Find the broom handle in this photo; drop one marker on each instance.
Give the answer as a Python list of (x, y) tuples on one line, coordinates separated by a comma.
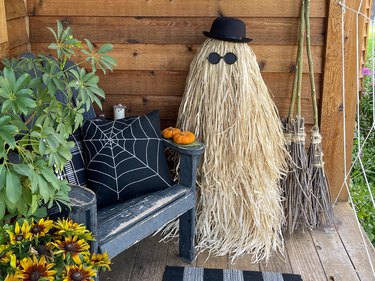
[(298, 73), (300, 62), (311, 64)]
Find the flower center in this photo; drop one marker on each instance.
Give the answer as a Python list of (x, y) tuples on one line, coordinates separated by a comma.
[(19, 237), (36, 229), (42, 250), (34, 276), (77, 276), (70, 247)]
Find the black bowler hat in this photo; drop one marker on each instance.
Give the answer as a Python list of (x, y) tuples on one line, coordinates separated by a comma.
[(228, 29)]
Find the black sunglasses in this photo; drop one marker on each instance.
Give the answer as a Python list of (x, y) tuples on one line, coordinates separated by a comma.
[(215, 58)]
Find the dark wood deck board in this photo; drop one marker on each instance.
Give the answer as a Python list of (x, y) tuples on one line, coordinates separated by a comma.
[(330, 252)]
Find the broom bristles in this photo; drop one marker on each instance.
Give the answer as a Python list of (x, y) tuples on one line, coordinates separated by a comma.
[(229, 108), (321, 198)]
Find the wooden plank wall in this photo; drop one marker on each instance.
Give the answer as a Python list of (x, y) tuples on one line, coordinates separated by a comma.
[(17, 21), (332, 111), (4, 42), (155, 41)]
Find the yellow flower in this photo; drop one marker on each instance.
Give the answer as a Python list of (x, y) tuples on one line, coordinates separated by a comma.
[(67, 227), (9, 258), (79, 273), (37, 270), (40, 228), (20, 233), (99, 260), (74, 247), (14, 277)]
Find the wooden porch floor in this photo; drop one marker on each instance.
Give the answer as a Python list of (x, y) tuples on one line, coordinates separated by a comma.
[(330, 253)]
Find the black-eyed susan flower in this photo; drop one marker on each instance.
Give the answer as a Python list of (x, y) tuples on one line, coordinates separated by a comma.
[(79, 273), (74, 247), (67, 227), (40, 228), (99, 260), (33, 269), (44, 249), (20, 233), (8, 257), (17, 276)]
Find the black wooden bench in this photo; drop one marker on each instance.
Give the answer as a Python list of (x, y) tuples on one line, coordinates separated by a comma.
[(121, 225)]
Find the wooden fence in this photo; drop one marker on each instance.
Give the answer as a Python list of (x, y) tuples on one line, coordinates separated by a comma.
[(155, 41)]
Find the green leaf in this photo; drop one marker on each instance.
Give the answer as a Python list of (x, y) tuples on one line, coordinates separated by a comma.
[(23, 169), (60, 29), (54, 34), (43, 188), (2, 208), (89, 45), (7, 133), (22, 82), (40, 212), (2, 176), (13, 187), (105, 48), (10, 76), (4, 120)]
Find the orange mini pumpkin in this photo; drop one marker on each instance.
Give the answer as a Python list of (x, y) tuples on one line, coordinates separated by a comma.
[(170, 132), (184, 137)]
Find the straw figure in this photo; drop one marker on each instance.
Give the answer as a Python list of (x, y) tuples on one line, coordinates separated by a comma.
[(228, 106)]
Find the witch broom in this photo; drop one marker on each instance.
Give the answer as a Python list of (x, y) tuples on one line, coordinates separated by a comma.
[(298, 189), (320, 198)]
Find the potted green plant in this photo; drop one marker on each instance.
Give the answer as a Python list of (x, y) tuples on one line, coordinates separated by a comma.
[(37, 114)]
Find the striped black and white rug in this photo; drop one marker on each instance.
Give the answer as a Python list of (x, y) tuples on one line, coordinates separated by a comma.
[(175, 273)]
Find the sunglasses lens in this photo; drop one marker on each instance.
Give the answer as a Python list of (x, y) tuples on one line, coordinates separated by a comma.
[(230, 58), (214, 58)]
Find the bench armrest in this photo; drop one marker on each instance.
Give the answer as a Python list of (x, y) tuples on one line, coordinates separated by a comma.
[(189, 159)]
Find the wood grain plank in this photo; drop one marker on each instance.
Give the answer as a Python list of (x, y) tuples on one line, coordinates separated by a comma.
[(16, 51), (178, 57), (17, 32), (303, 257), (4, 50), (349, 232), (206, 260), (277, 264), (150, 261), (194, 8), (161, 30), (15, 9), (332, 254), (173, 258), (332, 115), (172, 83), (244, 263), (3, 24), (122, 265)]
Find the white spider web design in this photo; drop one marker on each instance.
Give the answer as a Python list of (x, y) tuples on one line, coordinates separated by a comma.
[(124, 153)]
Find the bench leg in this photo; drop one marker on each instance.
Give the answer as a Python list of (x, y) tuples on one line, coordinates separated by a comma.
[(187, 234)]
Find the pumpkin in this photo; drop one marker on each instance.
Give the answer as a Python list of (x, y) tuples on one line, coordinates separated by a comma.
[(184, 137), (170, 132)]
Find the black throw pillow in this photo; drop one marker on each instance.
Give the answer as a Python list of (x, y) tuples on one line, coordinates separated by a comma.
[(125, 158)]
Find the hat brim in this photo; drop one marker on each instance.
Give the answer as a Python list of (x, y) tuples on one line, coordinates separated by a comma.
[(226, 38)]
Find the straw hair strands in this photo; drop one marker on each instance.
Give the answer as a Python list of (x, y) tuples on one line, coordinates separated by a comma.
[(230, 109)]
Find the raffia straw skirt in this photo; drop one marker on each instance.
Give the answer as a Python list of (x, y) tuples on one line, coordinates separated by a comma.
[(230, 109)]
